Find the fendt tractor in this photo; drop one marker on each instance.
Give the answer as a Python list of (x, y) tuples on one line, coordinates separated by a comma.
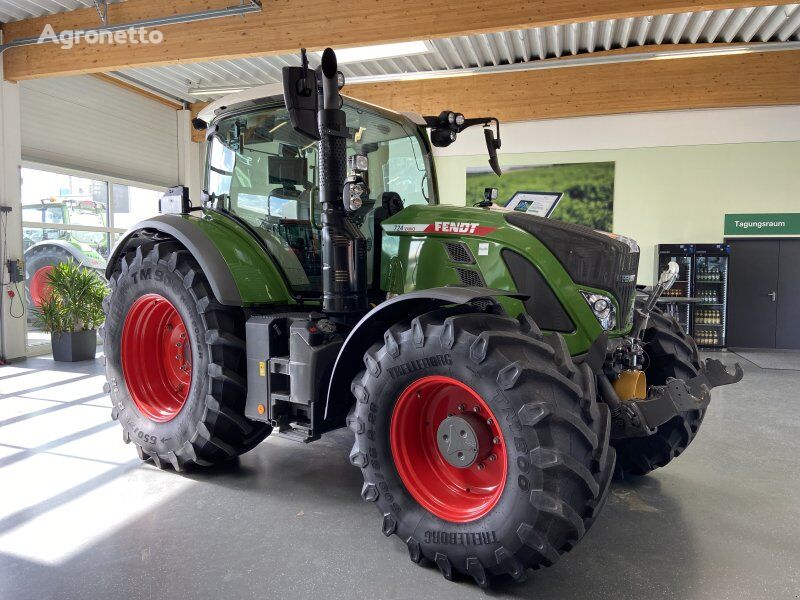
[(496, 368)]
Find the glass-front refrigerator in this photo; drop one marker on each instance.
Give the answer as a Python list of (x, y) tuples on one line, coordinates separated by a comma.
[(710, 284), (676, 300)]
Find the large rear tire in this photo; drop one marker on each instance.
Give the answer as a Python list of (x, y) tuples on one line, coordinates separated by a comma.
[(542, 462), (175, 361), (669, 352)]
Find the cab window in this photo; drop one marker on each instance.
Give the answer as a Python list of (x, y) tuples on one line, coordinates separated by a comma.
[(266, 173)]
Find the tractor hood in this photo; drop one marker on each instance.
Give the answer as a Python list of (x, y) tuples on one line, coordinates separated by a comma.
[(513, 251)]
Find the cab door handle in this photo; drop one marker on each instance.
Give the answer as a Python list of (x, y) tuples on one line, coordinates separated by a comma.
[(773, 295)]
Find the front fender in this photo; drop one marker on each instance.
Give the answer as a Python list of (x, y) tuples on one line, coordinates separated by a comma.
[(372, 327)]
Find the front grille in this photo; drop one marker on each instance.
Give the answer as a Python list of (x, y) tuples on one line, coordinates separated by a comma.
[(459, 253), (471, 277), (626, 287), (591, 258)]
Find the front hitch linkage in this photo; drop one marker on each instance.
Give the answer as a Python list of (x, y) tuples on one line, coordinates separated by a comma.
[(639, 418)]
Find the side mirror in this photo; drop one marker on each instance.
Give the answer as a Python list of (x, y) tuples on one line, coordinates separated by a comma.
[(300, 96), (491, 146), (669, 276)]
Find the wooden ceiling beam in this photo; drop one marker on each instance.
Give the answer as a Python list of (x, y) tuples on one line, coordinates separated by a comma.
[(284, 26), (751, 79)]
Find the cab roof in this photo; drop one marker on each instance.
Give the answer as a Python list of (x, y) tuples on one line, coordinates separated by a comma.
[(274, 92)]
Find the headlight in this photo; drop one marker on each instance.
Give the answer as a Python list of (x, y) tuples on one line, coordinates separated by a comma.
[(603, 309), (459, 119), (359, 163)]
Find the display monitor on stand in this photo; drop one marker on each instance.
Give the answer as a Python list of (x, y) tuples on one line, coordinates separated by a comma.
[(540, 204)]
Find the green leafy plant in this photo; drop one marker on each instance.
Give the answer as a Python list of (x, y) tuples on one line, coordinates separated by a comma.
[(74, 301)]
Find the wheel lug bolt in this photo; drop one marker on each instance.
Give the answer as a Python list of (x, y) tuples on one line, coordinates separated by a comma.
[(177, 357), (477, 409), (493, 457), (461, 407), (481, 466), (183, 335), (489, 422), (495, 440), (178, 345)]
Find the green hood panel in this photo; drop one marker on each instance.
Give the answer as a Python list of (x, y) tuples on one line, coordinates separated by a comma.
[(414, 258)]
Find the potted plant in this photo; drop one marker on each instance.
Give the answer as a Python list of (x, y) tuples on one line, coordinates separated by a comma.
[(71, 310)]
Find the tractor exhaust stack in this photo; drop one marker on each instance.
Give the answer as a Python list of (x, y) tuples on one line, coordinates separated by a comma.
[(315, 109), (344, 250)]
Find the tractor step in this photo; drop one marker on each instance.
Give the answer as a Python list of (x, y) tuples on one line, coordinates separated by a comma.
[(297, 432), (287, 372)]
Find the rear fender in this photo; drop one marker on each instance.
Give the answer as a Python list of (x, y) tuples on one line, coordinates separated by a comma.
[(222, 249), (74, 252), (371, 329)]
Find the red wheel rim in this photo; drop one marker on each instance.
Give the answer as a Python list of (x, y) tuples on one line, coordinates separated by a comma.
[(39, 286), (455, 494), (156, 358)]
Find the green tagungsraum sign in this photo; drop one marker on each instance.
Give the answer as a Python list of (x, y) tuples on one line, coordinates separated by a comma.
[(760, 224)]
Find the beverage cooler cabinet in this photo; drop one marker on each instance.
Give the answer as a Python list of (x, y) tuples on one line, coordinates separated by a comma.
[(710, 285), (676, 300)]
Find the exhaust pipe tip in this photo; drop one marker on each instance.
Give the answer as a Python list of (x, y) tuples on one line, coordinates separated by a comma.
[(329, 63)]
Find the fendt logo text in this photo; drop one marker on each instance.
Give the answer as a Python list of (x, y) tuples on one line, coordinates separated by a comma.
[(449, 227)]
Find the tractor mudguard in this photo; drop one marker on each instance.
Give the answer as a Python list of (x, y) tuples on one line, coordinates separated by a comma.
[(372, 326), (74, 252), (222, 249)]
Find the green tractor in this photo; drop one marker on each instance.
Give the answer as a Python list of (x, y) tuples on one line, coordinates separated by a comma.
[(45, 248), (493, 366)]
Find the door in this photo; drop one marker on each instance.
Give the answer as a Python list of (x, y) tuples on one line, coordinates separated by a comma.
[(753, 293), (788, 305)]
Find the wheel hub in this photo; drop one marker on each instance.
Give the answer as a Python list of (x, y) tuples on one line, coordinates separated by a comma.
[(156, 357), (448, 448), (39, 286), (464, 439)]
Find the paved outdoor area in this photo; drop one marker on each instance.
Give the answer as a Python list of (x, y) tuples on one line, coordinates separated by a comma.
[(82, 518)]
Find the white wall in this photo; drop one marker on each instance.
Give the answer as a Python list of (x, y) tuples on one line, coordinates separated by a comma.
[(88, 124), (12, 328), (677, 173)]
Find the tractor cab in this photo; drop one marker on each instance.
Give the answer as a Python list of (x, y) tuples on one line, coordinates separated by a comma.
[(263, 171)]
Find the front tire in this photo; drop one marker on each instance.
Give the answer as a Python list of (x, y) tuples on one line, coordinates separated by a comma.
[(670, 353), (175, 361), (538, 415)]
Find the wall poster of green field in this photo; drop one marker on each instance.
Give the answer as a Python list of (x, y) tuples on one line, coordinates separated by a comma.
[(588, 189)]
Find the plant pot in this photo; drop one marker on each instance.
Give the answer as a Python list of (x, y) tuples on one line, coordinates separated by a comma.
[(74, 346)]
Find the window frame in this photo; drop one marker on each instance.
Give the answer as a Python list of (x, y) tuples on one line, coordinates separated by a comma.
[(109, 181)]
